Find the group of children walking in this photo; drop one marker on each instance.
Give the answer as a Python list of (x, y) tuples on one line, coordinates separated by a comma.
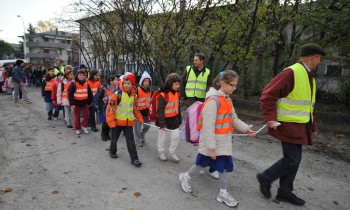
[(123, 107)]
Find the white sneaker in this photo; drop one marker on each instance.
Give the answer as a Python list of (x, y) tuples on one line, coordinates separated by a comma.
[(77, 132), (54, 118), (214, 174), (202, 171), (162, 157), (174, 158), (227, 199), (184, 183), (85, 130)]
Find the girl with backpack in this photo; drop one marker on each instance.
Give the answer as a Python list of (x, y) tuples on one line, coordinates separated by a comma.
[(80, 96), (120, 113), (62, 96), (169, 117), (215, 142), (102, 98)]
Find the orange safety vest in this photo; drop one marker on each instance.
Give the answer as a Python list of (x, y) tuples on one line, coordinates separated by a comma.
[(94, 85), (49, 84), (81, 92), (223, 123), (143, 99), (172, 107), (65, 89), (108, 92)]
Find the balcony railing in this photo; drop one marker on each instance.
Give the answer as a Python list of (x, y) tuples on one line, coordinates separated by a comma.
[(49, 45), (42, 55)]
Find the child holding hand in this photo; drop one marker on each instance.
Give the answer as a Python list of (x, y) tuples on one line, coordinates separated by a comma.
[(215, 142)]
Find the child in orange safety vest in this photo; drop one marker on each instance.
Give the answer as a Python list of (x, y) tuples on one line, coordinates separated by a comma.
[(144, 93), (57, 107), (62, 95), (169, 117), (120, 113), (215, 142), (95, 84), (80, 96), (46, 90)]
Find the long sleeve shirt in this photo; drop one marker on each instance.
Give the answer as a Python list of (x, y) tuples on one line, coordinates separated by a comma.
[(279, 87)]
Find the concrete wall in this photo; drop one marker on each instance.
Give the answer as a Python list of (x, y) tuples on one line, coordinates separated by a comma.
[(324, 121)]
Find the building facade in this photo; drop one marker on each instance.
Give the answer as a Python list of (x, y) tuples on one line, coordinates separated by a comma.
[(43, 48)]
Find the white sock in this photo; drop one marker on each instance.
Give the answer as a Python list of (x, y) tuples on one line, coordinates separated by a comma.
[(222, 191)]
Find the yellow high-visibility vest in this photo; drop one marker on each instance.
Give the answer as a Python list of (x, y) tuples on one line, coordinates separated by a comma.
[(125, 107), (196, 86), (59, 70), (298, 106)]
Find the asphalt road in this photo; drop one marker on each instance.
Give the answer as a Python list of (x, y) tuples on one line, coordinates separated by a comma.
[(44, 165)]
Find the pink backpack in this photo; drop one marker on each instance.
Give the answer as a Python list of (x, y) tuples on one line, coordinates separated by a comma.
[(189, 131)]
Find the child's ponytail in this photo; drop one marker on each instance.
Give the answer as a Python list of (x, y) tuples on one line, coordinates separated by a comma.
[(226, 76)]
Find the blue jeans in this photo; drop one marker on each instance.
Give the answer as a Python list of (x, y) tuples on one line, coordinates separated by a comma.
[(285, 169)]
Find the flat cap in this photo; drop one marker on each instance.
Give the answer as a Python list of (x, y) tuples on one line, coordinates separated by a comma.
[(311, 49)]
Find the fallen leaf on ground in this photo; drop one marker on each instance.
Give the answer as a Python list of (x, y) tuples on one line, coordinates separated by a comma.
[(66, 172), (335, 202), (55, 192), (123, 190), (28, 145), (73, 143), (129, 209), (7, 190), (137, 194)]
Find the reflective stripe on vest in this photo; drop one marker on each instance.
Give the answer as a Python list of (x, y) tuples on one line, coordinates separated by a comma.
[(196, 86), (143, 99), (298, 106), (223, 122), (49, 84), (125, 107), (81, 92), (172, 107), (94, 85)]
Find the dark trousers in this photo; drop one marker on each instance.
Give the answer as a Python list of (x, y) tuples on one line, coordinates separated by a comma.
[(92, 120), (130, 142), (285, 169)]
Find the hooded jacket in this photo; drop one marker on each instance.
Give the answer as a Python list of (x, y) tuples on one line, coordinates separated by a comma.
[(144, 76), (222, 143)]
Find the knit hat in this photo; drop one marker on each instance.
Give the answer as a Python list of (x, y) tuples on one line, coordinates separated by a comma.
[(131, 78), (82, 66), (311, 49)]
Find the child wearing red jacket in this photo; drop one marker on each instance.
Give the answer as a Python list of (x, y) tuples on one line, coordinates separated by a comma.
[(56, 105)]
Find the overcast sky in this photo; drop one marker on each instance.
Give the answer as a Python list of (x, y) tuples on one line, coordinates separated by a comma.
[(32, 11)]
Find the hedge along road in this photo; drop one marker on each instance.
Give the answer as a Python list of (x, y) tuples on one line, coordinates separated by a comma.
[(44, 166)]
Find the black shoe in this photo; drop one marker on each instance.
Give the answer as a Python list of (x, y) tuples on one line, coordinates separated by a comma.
[(112, 155), (94, 129), (109, 137), (264, 187), (103, 137), (69, 126), (137, 163), (291, 198)]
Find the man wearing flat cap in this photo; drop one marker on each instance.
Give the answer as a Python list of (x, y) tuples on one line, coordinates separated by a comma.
[(289, 98)]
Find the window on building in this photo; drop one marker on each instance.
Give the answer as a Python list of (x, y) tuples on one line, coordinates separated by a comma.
[(46, 51), (333, 70), (63, 41), (46, 39), (68, 41)]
